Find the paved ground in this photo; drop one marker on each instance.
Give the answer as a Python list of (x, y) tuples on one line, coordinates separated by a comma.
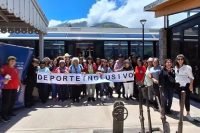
[(58, 117)]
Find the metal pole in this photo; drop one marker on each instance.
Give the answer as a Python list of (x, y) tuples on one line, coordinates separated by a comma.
[(142, 41), (180, 123), (41, 45), (141, 117)]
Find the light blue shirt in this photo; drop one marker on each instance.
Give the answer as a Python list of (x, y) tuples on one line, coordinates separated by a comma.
[(44, 70), (76, 69), (155, 71)]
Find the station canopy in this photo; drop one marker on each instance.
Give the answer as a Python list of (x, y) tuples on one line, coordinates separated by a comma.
[(22, 16), (169, 7)]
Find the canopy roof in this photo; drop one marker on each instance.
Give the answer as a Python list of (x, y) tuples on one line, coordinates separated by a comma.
[(168, 7), (22, 16)]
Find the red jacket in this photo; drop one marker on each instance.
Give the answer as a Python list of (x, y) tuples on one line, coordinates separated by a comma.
[(14, 83), (94, 66)]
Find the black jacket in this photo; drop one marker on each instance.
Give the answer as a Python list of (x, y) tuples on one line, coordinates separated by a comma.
[(167, 79)]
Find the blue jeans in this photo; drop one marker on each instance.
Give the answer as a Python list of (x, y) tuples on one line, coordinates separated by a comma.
[(104, 89), (168, 98), (54, 90)]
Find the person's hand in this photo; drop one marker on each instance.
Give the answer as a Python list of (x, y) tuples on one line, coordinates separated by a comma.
[(155, 81), (6, 81), (83, 73), (191, 87)]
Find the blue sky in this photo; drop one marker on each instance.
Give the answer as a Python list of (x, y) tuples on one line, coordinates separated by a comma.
[(125, 12), (66, 9)]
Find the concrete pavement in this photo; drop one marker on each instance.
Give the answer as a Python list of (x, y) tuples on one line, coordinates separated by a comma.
[(63, 117)]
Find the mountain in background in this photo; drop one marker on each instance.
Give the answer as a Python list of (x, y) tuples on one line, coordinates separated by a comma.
[(84, 24), (76, 24), (108, 25)]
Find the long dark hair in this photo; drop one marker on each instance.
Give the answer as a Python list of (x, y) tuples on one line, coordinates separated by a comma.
[(180, 56), (89, 58)]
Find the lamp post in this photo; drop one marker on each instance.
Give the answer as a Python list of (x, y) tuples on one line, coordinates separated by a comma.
[(143, 21)]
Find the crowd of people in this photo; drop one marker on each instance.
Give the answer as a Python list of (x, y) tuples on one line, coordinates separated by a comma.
[(149, 76)]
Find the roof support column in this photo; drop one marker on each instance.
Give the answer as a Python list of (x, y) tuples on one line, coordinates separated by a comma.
[(41, 45), (166, 21)]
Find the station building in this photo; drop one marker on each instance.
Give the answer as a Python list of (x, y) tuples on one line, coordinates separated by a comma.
[(90, 41)]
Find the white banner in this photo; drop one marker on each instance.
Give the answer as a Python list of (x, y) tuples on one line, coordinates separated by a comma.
[(61, 78)]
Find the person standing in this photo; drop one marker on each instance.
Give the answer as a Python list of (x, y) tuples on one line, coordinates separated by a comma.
[(117, 68), (128, 85), (54, 87), (43, 89), (185, 82), (90, 68), (148, 82), (62, 88), (76, 89), (30, 81), (140, 75), (9, 91), (154, 74), (167, 81), (103, 86)]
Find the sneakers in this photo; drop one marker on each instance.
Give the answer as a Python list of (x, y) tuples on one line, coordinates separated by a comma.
[(189, 117)]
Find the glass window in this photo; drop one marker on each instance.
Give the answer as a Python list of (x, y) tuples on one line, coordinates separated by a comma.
[(113, 48), (136, 48), (53, 48)]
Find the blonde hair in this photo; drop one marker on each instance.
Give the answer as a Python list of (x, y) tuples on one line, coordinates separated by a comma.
[(75, 59)]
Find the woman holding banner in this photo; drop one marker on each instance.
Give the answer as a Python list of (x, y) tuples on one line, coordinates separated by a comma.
[(103, 68), (43, 89), (90, 68), (128, 85), (184, 77), (76, 89), (62, 88)]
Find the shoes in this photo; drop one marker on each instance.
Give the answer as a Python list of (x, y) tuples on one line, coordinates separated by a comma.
[(131, 98), (119, 96), (127, 98), (12, 114), (189, 117), (5, 119), (102, 99), (168, 112), (89, 99), (93, 99)]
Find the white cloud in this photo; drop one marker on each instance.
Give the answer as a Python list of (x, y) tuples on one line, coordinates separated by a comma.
[(54, 22), (128, 13), (124, 12), (4, 34)]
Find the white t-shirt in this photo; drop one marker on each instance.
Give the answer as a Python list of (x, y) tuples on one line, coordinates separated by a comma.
[(183, 75), (147, 80)]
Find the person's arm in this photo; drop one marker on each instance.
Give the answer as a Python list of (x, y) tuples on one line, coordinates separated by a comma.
[(190, 75)]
